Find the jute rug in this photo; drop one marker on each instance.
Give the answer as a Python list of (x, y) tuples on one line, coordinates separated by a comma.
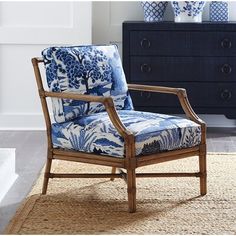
[(164, 205)]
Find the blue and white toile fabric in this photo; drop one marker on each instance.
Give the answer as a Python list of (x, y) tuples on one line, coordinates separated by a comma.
[(91, 70), (85, 126), (153, 133)]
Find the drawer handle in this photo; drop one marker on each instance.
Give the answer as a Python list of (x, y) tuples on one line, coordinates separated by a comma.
[(145, 68), (226, 43), (226, 69), (226, 95), (145, 43)]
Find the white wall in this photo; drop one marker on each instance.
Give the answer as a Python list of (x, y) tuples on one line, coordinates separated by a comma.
[(107, 28), (109, 15), (26, 28)]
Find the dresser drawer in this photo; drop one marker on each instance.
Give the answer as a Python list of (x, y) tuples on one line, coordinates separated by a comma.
[(198, 57), (199, 94), (182, 43), (189, 69)]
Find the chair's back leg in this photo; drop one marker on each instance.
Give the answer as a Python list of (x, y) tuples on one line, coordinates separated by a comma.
[(113, 171)]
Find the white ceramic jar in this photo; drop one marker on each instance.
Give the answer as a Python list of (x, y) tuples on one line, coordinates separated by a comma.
[(188, 11)]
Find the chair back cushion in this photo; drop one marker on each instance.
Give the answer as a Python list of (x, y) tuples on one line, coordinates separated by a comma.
[(92, 70)]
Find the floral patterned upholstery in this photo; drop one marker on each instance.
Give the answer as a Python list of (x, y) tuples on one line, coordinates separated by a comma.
[(153, 133), (85, 126), (93, 70)]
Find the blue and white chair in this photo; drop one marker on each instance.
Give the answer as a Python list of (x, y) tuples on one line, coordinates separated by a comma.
[(95, 121)]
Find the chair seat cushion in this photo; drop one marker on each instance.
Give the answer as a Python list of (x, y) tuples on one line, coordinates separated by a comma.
[(153, 133)]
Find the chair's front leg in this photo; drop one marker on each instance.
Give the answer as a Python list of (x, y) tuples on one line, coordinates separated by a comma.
[(131, 182), (203, 170), (47, 172), (131, 176)]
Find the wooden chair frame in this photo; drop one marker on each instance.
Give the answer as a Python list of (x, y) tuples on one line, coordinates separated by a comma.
[(129, 162)]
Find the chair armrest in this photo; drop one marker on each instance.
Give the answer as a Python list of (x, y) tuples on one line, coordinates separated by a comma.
[(74, 96), (181, 94), (156, 89), (106, 101)]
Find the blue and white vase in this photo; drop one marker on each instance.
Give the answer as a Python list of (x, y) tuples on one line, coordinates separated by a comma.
[(153, 11), (219, 11), (188, 11)]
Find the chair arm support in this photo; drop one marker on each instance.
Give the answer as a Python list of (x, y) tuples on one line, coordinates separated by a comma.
[(106, 101), (181, 94)]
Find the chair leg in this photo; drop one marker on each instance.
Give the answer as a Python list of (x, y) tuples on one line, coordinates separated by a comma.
[(131, 182), (203, 172), (113, 171), (46, 173)]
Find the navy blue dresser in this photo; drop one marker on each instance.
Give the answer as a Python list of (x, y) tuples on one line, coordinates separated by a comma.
[(198, 57)]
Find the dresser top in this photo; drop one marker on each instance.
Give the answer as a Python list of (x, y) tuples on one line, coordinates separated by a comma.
[(170, 25)]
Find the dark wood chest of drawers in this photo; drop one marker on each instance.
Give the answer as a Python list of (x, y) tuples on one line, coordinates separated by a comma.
[(198, 57)]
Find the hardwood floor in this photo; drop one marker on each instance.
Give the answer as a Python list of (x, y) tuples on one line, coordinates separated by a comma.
[(31, 155)]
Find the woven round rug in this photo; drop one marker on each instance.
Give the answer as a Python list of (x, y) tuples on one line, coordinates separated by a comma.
[(164, 205)]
